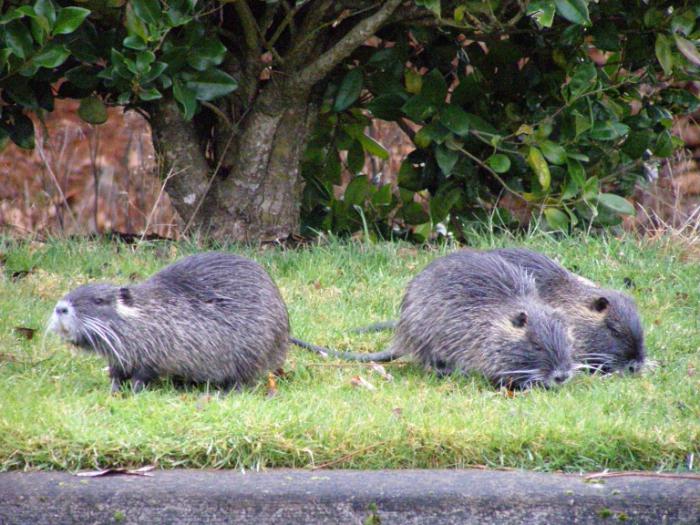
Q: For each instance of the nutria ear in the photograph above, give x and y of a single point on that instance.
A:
(601, 304)
(520, 320)
(125, 297)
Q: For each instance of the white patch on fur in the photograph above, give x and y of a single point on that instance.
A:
(189, 199)
(63, 325)
(127, 311)
(585, 281)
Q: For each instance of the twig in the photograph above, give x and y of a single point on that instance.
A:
(348, 456)
(642, 474)
(218, 113)
(170, 175)
(324, 64)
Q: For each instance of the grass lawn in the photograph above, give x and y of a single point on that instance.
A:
(56, 411)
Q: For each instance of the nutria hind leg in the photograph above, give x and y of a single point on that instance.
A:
(117, 377)
(141, 377)
(229, 386)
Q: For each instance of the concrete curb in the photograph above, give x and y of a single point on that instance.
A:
(342, 496)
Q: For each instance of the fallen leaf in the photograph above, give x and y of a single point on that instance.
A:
(143, 471)
(359, 382)
(379, 369)
(23, 331)
(398, 411)
(271, 385)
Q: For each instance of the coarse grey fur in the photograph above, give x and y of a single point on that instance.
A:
(607, 332)
(209, 318)
(472, 311)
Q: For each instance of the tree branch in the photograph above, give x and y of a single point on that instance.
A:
(351, 41)
(250, 26)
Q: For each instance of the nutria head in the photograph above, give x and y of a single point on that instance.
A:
(608, 332)
(534, 348)
(88, 316)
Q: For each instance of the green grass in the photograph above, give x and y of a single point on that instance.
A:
(56, 411)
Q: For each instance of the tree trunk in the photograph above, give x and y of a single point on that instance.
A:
(256, 192)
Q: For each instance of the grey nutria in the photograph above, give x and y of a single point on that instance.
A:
(209, 318)
(472, 311)
(607, 332)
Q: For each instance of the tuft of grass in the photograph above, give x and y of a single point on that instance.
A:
(56, 411)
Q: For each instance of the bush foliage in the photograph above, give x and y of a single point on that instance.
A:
(562, 104)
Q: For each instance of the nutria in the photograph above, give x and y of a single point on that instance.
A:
(209, 318)
(471, 311)
(607, 333)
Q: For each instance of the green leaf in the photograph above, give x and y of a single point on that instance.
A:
(455, 119)
(148, 94)
(383, 196)
(357, 191)
(186, 97)
(147, 10)
(21, 131)
(373, 147)
(418, 108)
(542, 12)
(556, 219)
(664, 145)
(349, 90)
(663, 53)
(576, 172)
(210, 52)
(413, 81)
(539, 165)
(211, 84)
(553, 152)
(616, 203)
(135, 42)
(447, 197)
(413, 213)
(446, 159)
(498, 162)
(609, 130)
(134, 25)
(434, 88)
(688, 49)
(69, 19)
(46, 9)
(356, 157)
(18, 39)
(53, 55)
(583, 79)
(575, 11)
(387, 107)
(92, 110)
(433, 5)
(409, 176)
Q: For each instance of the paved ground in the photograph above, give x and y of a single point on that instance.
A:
(361, 497)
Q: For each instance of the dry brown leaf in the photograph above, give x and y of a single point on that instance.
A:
(360, 382)
(23, 331)
(381, 371)
(271, 385)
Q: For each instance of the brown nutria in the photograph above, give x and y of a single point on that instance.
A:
(606, 330)
(471, 311)
(209, 318)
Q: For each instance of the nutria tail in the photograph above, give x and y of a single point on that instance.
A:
(380, 357)
(375, 327)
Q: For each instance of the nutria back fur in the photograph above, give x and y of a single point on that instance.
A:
(607, 332)
(472, 311)
(211, 317)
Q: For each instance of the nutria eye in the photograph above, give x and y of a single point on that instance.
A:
(98, 300)
(520, 320)
(600, 304)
